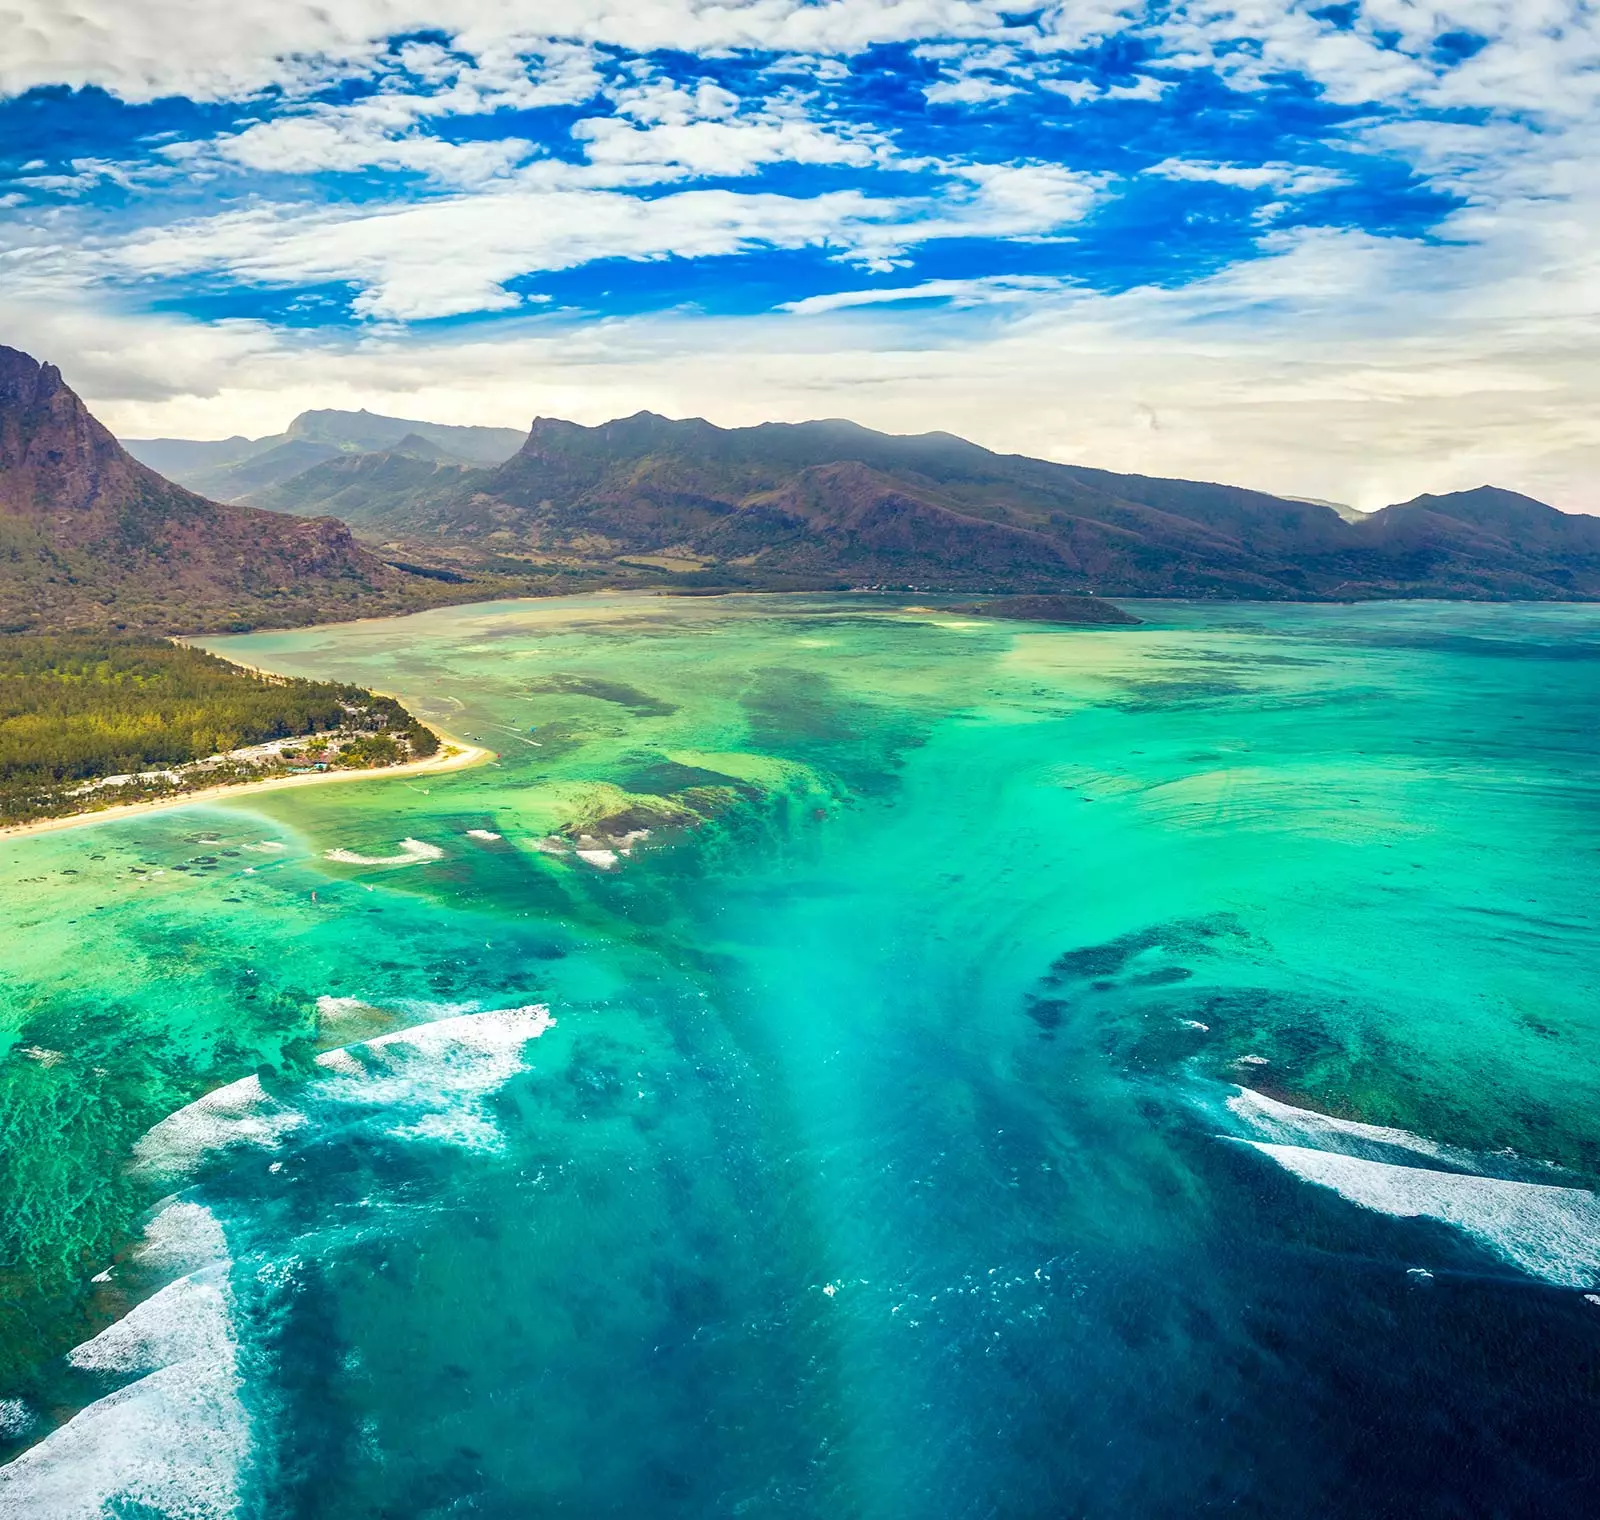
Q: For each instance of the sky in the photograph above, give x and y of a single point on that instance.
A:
(1347, 250)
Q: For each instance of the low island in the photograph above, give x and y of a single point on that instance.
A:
(1077, 610)
(94, 723)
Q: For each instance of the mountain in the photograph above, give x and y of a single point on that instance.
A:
(831, 503)
(92, 539)
(826, 504)
(370, 491)
(234, 469)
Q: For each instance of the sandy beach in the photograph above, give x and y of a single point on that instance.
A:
(453, 755)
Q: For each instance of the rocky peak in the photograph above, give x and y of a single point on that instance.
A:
(53, 454)
(24, 382)
(100, 540)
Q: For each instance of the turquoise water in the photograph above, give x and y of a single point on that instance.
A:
(1022, 1071)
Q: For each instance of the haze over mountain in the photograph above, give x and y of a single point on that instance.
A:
(232, 469)
(832, 503)
(92, 539)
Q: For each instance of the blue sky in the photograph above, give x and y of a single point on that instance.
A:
(1339, 249)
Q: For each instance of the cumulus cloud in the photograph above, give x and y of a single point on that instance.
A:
(415, 86)
(664, 130)
(1283, 179)
(207, 51)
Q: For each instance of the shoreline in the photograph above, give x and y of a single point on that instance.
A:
(463, 756)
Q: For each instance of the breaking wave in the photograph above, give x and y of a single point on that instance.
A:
(175, 1439)
(412, 852)
(1550, 1232)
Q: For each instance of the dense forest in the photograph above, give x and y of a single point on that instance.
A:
(74, 710)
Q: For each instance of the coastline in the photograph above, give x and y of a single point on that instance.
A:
(454, 755)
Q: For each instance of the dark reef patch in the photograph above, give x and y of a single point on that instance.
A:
(640, 703)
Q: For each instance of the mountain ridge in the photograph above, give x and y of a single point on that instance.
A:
(776, 504)
(831, 504)
(232, 469)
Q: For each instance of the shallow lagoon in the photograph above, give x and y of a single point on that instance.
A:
(1060, 1072)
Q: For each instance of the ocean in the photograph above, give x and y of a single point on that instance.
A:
(840, 1059)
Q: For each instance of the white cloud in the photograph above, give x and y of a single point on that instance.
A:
(717, 149)
(986, 290)
(457, 254)
(1285, 179)
(392, 128)
(209, 51)
(351, 141)
(969, 90)
(664, 131)
(453, 255)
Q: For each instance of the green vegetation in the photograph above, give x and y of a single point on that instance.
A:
(74, 710)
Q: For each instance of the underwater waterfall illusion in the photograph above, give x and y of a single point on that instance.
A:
(840, 1060)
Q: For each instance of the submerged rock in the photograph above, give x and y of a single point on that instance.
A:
(1054, 609)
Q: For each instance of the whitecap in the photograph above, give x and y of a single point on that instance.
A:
(465, 1130)
(412, 852)
(436, 1075)
(1551, 1232)
(1286, 1124)
(180, 1237)
(242, 1113)
(16, 1419)
(604, 860)
(186, 1318)
(341, 1062)
(176, 1440)
(488, 834)
(265, 847)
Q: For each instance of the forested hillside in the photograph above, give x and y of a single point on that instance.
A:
(75, 710)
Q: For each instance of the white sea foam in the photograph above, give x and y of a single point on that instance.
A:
(1284, 1123)
(435, 1076)
(239, 1114)
(175, 1440)
(412, 852)
(342, 1063)
(605, 860)
(186, 1318)
(181, 1237)
(265, 847)
(1550, 1232)
(447, 1066)
(463, 1129)
(16, 1418)
(482, 834)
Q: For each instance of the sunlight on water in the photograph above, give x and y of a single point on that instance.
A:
(836, 1062)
